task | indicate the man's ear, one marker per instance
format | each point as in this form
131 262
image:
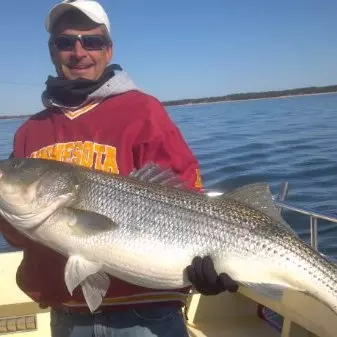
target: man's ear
109 53
52 52
54 58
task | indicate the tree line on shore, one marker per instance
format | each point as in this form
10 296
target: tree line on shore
236 97
255 95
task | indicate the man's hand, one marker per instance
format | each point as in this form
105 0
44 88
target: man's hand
202 275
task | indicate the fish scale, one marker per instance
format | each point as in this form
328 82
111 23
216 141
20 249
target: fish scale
227 212
147 232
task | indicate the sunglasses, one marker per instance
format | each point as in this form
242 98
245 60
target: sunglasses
88 42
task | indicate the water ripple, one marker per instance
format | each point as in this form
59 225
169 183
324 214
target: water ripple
276 140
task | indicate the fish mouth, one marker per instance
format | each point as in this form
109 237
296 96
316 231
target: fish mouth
27 216
28 200
21 207
14 203
20 199
18 212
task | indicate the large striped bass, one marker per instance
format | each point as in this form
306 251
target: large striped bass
145 229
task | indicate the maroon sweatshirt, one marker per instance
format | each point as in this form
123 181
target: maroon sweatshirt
116 135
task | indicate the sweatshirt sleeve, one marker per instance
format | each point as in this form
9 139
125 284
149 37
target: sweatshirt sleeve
11 235
161 142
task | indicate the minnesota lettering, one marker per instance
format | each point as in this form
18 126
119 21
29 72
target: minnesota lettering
87 154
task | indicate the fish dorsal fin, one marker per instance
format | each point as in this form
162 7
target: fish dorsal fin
153 173
259 197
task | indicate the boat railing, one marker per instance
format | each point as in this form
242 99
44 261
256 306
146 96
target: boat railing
280 203
313 215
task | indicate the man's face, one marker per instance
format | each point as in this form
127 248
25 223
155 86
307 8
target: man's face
79 62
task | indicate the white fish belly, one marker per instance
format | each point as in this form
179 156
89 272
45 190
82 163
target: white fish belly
142 261
146 263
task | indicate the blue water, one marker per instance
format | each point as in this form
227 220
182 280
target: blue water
275 140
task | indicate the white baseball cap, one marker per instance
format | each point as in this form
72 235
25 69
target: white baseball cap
91 8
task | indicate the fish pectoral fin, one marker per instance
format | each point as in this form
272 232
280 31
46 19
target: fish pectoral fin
77 270
272 291
259 197
94 289
86 222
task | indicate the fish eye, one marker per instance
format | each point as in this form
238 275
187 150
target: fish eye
14 164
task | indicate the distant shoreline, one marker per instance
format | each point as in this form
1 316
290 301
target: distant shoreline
307 91
255 99
15 116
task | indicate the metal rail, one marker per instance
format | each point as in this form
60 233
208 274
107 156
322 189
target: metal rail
313 215
280 203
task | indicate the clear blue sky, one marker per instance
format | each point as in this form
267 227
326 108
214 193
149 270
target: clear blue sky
178 49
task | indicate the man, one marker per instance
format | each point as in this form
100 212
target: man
96 117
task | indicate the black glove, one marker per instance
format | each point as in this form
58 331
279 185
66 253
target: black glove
202 275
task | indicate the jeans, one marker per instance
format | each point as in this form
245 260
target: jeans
153 321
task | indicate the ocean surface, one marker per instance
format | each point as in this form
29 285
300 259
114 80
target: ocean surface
273 140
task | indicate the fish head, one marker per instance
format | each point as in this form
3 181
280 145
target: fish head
32 189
